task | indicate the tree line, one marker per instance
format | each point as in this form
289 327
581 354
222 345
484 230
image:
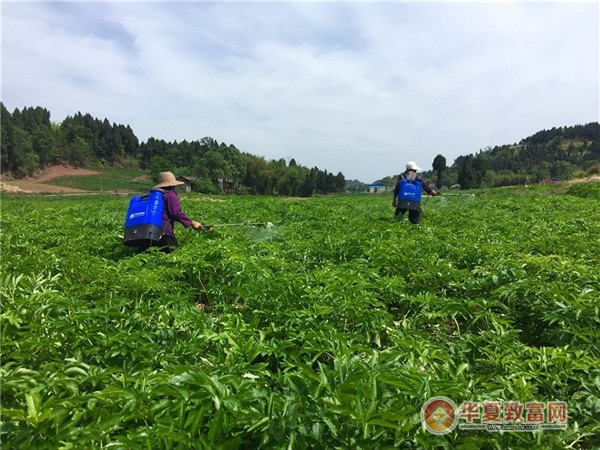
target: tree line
30 142
559 153
213 165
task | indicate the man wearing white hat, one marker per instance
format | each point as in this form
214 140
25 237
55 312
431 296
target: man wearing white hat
407 193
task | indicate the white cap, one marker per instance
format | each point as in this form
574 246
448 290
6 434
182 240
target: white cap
411 165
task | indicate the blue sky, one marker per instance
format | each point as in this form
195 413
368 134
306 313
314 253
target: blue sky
356 87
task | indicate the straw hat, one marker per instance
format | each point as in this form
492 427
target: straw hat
411 165
167 179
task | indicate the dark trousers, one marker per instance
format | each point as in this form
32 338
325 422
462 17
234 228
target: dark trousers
413 215
167 243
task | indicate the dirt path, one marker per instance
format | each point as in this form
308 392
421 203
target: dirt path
59 171
29 187
35 185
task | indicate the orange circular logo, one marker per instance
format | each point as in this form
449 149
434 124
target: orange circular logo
439 415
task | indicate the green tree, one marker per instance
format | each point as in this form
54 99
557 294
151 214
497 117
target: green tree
160 164
256 170
7 139
235 164
309 186
466 174
44 146
213 166
291 183
479 169
439 166
23 160
542 171
149 149
340 182
131 144
563 170
79 153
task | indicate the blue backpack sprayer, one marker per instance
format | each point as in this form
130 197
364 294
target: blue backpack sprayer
143 223
409 196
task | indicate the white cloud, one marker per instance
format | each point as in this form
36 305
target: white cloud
351 87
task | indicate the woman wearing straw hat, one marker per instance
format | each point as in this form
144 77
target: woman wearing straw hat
172 211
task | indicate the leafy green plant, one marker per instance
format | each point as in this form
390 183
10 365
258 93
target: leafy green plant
329 330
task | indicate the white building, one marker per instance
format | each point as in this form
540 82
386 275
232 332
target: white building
376 188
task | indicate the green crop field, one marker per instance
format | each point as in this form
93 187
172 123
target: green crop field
331 329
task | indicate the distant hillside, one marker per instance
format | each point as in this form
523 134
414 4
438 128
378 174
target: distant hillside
561 153
578 146
355 186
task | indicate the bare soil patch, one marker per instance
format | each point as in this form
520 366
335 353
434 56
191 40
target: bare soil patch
36 185
30 187
60 171
592 179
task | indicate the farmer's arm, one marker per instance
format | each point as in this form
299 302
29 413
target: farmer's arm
177 214
428 189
